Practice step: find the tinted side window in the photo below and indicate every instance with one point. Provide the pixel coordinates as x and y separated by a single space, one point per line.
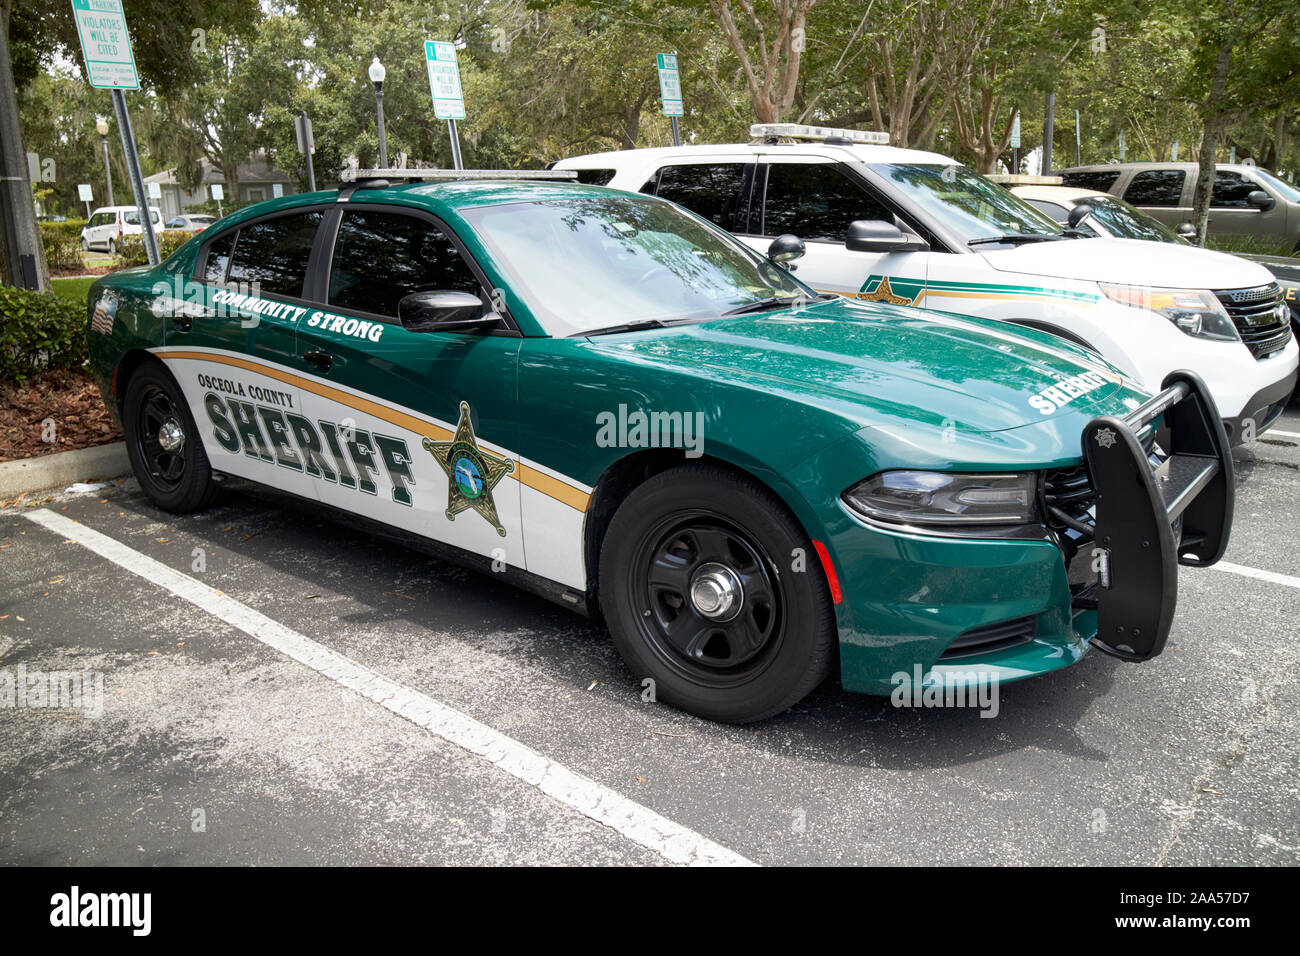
1052 209
379 257
1100 180
711 191
815 202
1156 187
594 177
1231 190
214 267
274 253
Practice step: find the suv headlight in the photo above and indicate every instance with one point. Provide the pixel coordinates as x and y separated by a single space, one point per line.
945 498
1197 312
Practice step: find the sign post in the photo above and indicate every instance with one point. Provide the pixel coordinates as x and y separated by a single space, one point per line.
110 64
670 91
306 146
448 97
1015 141
86 196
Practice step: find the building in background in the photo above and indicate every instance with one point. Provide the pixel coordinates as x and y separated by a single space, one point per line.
257 180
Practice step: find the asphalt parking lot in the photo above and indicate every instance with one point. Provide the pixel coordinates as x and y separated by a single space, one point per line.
278 689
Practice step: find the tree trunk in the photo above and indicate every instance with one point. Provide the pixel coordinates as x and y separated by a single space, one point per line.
23 255
1216 125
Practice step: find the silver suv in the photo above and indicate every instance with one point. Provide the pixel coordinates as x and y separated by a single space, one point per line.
1246 201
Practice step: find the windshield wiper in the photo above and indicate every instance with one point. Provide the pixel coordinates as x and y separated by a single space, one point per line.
1016 239
628 327
774 302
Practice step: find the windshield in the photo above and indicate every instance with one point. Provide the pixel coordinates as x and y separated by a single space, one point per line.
1125 222
588 263
966 202
1289 193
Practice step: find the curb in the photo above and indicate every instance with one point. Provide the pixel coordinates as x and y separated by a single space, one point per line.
62 468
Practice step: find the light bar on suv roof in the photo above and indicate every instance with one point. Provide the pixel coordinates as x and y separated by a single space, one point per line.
799 131
357 175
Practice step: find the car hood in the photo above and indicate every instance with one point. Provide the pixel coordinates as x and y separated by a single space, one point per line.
875 364
1131 262
1283 267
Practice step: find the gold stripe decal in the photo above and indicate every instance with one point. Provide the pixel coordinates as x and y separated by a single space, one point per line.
548 485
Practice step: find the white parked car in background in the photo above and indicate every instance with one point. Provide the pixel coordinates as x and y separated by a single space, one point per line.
908 227
107 226
195 223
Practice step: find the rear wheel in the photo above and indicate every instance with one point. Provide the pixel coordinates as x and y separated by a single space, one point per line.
163 443
112 247
710 588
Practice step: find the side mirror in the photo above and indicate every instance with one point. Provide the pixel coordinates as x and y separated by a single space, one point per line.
444 312
1077 215
786 248
876 235
1186 230
1260 200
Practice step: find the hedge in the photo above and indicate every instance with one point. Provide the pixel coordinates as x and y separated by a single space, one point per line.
130 250
39 331
62 241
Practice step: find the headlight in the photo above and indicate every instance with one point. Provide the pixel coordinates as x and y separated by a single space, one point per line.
1197 312
944 498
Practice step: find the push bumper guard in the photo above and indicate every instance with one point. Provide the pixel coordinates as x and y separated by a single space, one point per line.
1151 518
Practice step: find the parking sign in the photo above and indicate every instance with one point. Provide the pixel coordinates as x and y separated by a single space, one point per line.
106 45
670 84
444 80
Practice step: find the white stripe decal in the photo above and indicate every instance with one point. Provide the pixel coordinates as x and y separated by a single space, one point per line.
641 825
1271 576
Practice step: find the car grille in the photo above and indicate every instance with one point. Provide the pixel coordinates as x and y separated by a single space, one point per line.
992 637
1261 319
1070 489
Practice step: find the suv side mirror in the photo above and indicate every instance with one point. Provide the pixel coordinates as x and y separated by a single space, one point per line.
785 249
876 235
1078 214
1187 230
444 312
1260 200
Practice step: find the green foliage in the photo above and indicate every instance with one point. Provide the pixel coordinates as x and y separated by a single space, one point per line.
131 250
62 242
39 331
1253 245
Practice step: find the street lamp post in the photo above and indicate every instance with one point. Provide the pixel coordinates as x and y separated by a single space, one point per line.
101 127
377 74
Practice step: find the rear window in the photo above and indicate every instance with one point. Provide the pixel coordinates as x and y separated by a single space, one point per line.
1098 179
1156 187
218 257
274 253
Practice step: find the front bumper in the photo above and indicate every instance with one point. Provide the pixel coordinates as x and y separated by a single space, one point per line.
911 600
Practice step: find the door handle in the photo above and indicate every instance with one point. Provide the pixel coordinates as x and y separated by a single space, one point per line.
320 358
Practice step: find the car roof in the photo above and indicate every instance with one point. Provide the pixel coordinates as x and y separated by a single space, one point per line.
862 153
1119 167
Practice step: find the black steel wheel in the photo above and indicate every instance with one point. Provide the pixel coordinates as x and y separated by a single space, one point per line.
163 443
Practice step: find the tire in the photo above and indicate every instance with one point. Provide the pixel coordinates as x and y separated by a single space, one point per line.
85 246
177 480
759 656
112 248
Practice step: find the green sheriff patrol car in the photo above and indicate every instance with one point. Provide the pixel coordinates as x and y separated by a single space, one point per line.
610 401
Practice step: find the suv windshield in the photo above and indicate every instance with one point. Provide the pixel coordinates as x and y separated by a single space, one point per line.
966 202
590 263
1127 222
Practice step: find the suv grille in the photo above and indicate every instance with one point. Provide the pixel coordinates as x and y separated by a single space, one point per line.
1260 316
1070 489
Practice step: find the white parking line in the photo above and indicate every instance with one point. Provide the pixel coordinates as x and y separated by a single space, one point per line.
1271 576
1274 431
673 842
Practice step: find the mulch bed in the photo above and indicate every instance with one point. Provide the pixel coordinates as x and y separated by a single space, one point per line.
70 399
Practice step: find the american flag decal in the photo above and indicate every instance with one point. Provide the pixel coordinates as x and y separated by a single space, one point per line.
101 321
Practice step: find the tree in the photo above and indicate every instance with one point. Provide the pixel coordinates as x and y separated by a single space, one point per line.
769 45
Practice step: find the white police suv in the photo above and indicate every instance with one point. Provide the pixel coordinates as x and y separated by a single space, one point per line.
909 227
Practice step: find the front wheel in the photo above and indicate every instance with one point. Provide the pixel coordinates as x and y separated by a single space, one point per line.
163 443
711 589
